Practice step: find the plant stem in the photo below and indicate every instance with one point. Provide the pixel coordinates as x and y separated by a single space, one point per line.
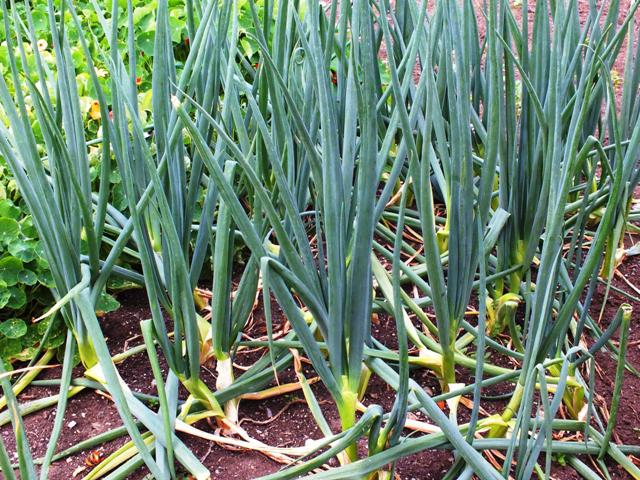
617 389
347 411
24 382
224 368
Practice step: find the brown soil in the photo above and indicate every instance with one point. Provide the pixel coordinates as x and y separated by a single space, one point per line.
286 421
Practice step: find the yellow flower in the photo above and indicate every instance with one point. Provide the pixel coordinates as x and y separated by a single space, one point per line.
94 111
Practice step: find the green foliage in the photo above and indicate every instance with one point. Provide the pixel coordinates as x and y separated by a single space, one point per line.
247 43
106 303
25 280
24 276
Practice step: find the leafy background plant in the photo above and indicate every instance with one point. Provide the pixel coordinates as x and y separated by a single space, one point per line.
24 278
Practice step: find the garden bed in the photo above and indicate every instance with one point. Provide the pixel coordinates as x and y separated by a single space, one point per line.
285 420
247 182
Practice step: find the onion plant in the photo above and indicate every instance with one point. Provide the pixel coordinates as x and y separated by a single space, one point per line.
380 159
59 194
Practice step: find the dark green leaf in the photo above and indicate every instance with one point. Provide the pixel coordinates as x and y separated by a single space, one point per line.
9 347
10 268
18 298
27 277
13 328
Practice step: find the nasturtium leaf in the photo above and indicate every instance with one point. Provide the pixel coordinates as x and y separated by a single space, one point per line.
58 327
145 100
42 262
115 177
54 341
8 209
9 229
78 57
40 20
27 229
177 26
27 277
139 15
247 47
106 304
10 347
32 337
23 250
18 298
42 325
145 42
94 171
45 278
10 268
5 296
245 23
13 328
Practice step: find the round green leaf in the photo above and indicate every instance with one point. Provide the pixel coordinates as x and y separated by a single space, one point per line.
42 326
13 328
40 20
10 268
24 250
178 25
145 42
106 304
55 341
27 228
46 279
18 298
27 277
9 229
8 209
